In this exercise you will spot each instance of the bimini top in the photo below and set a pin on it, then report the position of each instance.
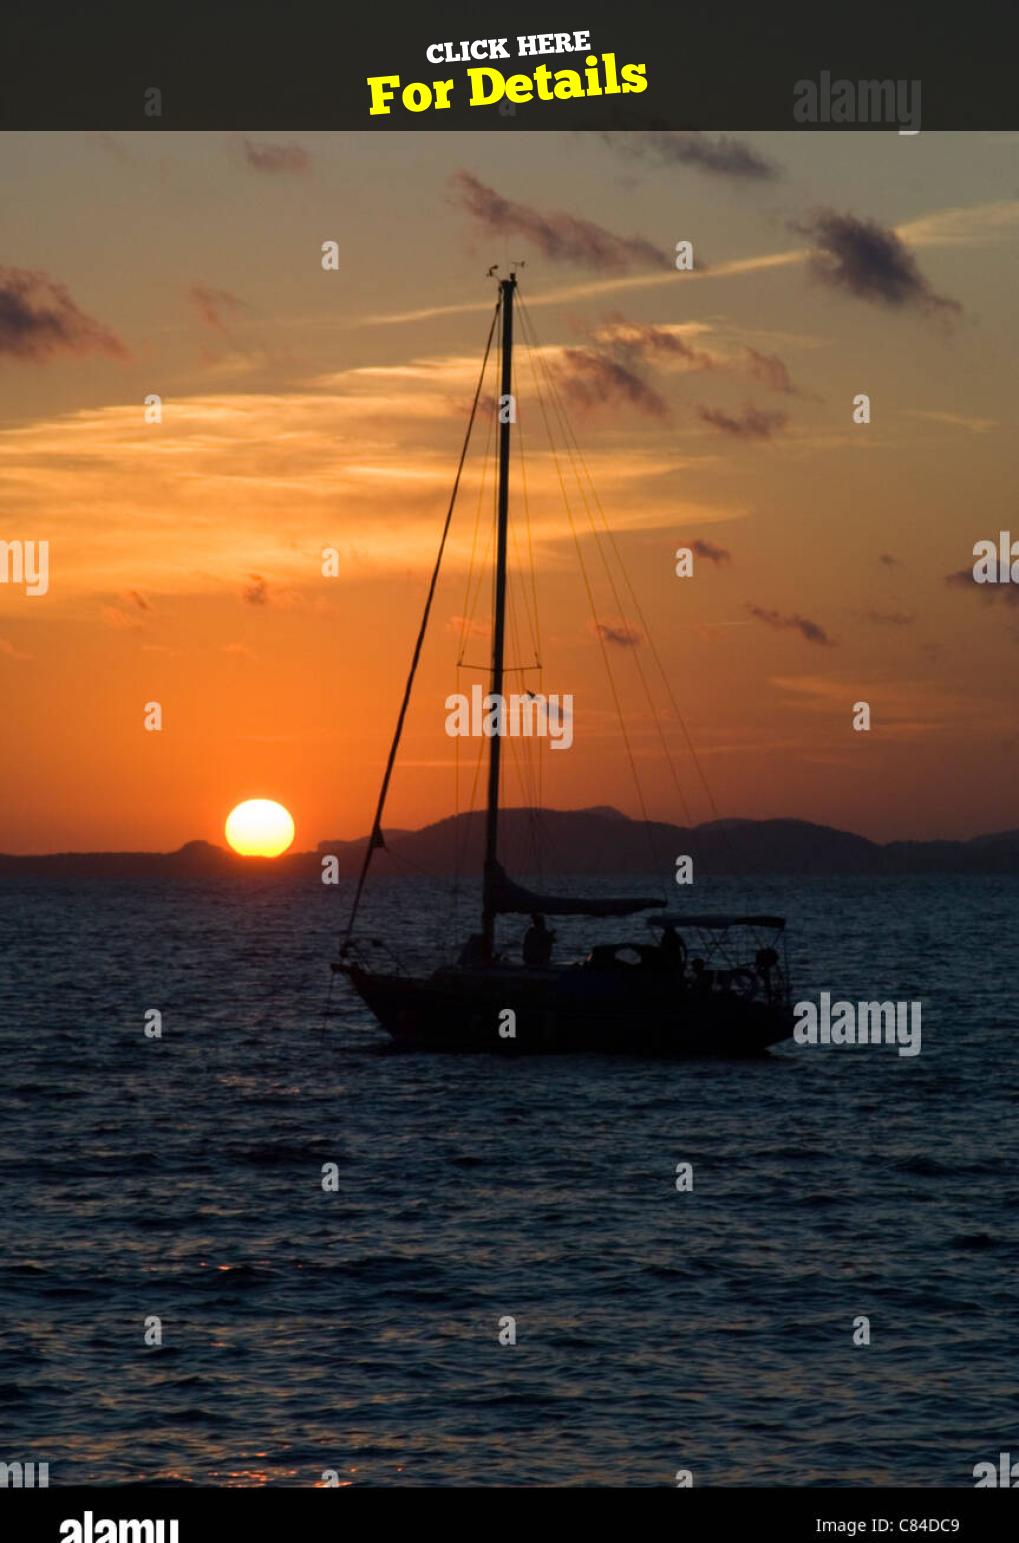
(715, 923)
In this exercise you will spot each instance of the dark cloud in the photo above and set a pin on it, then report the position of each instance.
(276, 158)
(870, 261)
(213, 305)
(638, 340)
(257, 591)
(964, 579)
(769, 370)
(721, 156)
(710, 552)
(811, 630)
(621, 635)
(590, 377)
(644, 340)
(752, 423)
(558, 236)
(888, 560)
(38, 318)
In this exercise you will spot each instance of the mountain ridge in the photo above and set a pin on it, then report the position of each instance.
(574, 842)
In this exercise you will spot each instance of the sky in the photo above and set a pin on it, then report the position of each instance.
(305, 409)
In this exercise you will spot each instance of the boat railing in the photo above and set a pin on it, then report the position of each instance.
(367, 953)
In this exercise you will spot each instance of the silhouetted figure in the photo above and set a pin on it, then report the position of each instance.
(538, 942)
(671, 952)
(701, 976)
(474, 951)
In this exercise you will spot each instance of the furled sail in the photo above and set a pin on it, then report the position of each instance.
(503, 896)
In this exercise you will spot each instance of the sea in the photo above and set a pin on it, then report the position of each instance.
(499, 1282)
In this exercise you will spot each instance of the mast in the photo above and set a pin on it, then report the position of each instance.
(507, 288)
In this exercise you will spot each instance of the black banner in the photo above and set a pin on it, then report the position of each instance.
(857, 67)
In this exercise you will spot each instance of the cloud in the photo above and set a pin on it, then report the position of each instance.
(327, 459)
(811, 630)
(753, 422)
(212, 304)
(276, 158)
(888, 560)
(769, 370)
(619, 634)
(964, 579)
(643, 340)
(559, 236)
(870, 261)
(710, 552)
(721, 156)
(123, 615)
(119, 619)
(257, 591)
(38, 318)
(640, 340)
(591, 378)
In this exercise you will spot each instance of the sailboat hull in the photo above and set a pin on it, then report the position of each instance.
(566, 1011)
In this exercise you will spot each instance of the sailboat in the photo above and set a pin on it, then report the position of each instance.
(697, 984)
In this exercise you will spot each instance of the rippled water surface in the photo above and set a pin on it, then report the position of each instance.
(358, 1331)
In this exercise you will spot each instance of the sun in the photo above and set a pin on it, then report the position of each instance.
(259, 828)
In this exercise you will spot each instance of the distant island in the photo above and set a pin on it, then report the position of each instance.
(567, 842)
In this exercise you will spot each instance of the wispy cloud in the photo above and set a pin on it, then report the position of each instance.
(275, 159)
(215, 305)
(719, 155)
(591, 378)
(871, 262)
(710, 552)
(752, 422)
(974, 225)
(619, 634)
(812, 631)
(559, 236)
(38, 318)
(988, 593)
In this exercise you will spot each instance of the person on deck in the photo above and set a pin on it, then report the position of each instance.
(671, 952)
(474, 952)
(702, 977)
(537, 949)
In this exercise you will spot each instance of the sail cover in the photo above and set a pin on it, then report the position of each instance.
(504, 896)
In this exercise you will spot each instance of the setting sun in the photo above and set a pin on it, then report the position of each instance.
(259, 828)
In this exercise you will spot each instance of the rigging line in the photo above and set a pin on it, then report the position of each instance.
(486, 461)
(637, 606)
(540, 761)
(598, 631)
(522, 758)
(375, 839)
(517, 563)
(691, 748)
(574, 453)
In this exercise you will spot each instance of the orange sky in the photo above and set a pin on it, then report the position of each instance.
(305, 409)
